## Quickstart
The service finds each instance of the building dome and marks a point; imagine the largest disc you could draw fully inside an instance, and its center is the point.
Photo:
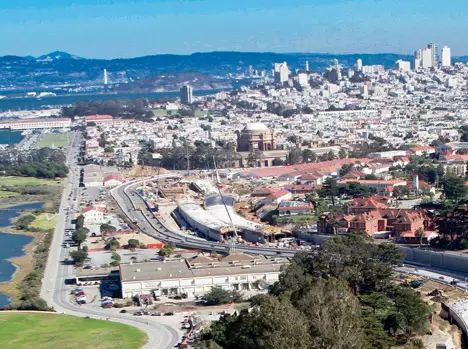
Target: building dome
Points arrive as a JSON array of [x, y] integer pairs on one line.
[[256, 126]]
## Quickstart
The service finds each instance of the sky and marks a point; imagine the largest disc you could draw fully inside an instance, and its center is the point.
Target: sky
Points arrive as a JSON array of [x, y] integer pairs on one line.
[[119, 28]]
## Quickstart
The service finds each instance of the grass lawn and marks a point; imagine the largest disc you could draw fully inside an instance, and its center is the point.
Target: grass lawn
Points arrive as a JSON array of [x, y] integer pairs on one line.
[[45, 331], [27, 181], [199, 113], [56, 140], [44, 221], [8, 194], [309, 218], [160, 112]]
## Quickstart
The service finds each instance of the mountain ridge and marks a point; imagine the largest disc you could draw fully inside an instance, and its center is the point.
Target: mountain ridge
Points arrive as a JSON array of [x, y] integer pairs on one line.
[[67, 55], [63, 69]]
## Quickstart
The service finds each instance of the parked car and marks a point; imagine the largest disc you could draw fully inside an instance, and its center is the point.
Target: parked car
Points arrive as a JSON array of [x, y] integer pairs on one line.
[[123, 311], [169, 313], [138, 313]]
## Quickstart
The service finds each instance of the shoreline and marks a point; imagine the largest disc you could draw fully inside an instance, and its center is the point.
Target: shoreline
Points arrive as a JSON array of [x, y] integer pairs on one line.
[[19, 203], [23, 264]]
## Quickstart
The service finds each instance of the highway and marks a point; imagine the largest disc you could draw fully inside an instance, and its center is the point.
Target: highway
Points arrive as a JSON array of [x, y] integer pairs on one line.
[[54, 289]]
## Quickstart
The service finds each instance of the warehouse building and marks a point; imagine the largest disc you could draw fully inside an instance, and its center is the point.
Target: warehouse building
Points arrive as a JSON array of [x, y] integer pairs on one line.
[[236, 271], [31, 124]]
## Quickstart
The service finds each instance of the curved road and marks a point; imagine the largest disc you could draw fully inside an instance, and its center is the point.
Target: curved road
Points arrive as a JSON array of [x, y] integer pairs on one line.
[[128, 201], [57, 294]]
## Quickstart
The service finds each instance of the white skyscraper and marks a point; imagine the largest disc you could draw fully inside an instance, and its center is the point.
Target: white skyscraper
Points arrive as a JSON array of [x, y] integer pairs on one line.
[[446, 57], [281, 73], [106, 78], [417, 59], [358, 65], [427, 58], [307, 66], [434, 55]]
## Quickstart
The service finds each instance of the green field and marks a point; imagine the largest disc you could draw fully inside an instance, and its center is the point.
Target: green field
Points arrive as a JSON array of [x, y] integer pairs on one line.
[[160, 112], [199, 113], [47, 331], [8, 194], [12, 180], [50, 140], [44, 221]]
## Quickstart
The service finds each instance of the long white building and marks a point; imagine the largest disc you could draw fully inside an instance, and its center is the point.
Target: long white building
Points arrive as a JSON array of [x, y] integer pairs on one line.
[[29, 124], [236, 271]]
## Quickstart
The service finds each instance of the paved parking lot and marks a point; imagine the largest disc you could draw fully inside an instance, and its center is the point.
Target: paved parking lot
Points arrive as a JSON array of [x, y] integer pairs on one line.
[[104, 257]]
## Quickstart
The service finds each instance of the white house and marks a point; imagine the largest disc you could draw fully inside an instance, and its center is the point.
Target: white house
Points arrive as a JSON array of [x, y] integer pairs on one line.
[[93, 214]]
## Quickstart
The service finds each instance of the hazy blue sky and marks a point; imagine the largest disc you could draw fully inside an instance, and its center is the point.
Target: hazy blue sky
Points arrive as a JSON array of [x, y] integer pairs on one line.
[[119, 28]]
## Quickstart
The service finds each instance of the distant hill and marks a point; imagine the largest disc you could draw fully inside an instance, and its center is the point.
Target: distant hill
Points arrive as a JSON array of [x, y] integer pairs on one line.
[[60, 68], [56, 56]]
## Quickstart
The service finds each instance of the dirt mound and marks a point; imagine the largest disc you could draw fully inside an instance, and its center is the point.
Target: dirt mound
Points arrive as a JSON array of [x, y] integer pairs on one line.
[[139, 171]]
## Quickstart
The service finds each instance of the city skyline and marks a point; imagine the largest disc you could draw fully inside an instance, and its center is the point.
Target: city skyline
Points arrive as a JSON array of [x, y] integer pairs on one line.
[[120, 29]]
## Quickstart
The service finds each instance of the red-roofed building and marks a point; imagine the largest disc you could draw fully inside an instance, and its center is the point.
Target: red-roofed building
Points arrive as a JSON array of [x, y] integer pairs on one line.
[[422, 150], [364, 205], [277, 197], [264, 192], [93, 214], [99, 119], [384, 187], [113, 180], [314, 178], [395, 221], [300, 188]]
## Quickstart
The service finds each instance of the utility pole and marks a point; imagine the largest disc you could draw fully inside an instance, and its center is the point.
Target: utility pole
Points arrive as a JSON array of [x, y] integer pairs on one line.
[[231, 244], [188, 157]]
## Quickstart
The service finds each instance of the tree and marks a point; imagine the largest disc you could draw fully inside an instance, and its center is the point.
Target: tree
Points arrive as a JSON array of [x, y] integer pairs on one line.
[[79, 256], [309, 156], [325, 301], [345, 169], [273, 324], [454, 188], [218, 295], [133, 243], [294, 156], [79, 236], [107, 228], [419, 234], [167, 250], [330, 189], [23, 222], [342, 153], [113, 245], [331, 155], [115, 259], [400, 191], [79, 222], [370, 177], [254, 157]]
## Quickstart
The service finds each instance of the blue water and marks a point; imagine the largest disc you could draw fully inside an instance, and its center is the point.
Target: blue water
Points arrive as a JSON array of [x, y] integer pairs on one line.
[[34, 103], [11, 245], [10, 137]]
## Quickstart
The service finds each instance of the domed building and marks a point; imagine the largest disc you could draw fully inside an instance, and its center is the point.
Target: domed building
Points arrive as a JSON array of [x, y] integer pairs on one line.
[[255, 136]]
